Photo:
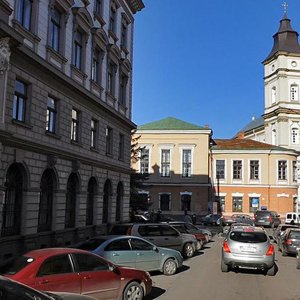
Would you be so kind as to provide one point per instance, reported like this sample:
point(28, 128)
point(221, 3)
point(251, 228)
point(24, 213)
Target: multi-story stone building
point(175, 154)
point(65, 121)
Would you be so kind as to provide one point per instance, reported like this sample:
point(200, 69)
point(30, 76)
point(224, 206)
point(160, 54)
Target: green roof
point(170, 124)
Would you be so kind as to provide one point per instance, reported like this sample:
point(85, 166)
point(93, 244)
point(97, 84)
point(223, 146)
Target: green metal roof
point(170, 124)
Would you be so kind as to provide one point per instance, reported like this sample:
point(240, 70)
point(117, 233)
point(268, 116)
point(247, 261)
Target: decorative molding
point(51, 161)
point(4, 54)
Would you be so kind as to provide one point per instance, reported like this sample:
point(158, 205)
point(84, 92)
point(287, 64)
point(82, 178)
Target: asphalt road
point(201, 278)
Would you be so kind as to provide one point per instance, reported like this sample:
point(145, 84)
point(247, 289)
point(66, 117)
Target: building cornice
point(135, 5)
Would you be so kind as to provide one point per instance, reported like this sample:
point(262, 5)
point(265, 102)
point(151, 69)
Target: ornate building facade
point(65, 119)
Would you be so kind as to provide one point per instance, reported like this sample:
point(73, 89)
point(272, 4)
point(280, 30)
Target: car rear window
point(16, 265)
point(248, 237)
point(294, 235)
point(262, 213)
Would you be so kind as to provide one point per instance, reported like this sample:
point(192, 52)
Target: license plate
point(249, 249)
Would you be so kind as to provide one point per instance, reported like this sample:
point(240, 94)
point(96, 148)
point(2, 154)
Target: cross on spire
point(285, 5)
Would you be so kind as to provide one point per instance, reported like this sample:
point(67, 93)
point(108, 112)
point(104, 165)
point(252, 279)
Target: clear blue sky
point(201, 60)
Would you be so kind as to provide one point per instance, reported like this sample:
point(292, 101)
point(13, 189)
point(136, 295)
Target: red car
point(78, 271)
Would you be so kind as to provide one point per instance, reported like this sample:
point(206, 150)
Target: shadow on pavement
point(155, 293)
point(248, 271)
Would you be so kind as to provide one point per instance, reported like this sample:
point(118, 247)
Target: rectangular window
point(24, 13)
point(55, 30)
point(294, 170)
point(237, 204)
point(282, 166)
point(237, 169)
point(75, 126)
point(144, 161)
point(51, 115)
point(78, 50)
point(93, 133)
point(123, 89)
point(222, 203)
point(164, 201)
point(165, 163)
point(19, 103)
point(112, 20)
point(111, 78)
point(95, 66)
point(98, 7)
point(220, 169)
point(254, 169)
point(109, 141)
point(253, 204)
point(124, 35)
point(186, 163)
point(121, 146)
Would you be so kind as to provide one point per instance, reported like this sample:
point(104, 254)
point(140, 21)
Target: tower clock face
point(294, 64)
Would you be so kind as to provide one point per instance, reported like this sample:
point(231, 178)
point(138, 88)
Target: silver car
point(249, 248)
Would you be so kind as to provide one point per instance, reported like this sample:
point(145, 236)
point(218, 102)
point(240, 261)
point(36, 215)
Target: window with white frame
point(282, 170)
point(237, 204)
point(294, 92)
point(186, 163)
point(51, 115)
point(164, 201)
point(220, 169)
point(237, 169)
point(254, 169)
point(273, 95)
point(294, 170)
point(295, 135)
point(144, 161)
point(75, 126)
point(165, 162)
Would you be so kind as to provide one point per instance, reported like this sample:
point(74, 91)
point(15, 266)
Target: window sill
point(20, 123)
point(53, 135)
point(99, 18)
point(56, 58)
point(76, 143)
point(113, 35)
point(109, 155)
point(93, 149)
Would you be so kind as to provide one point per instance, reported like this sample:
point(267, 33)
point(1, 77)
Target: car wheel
point(188, 250)
point(170, 267)
point(133, 291)
point(271, 271)
point(224, 267)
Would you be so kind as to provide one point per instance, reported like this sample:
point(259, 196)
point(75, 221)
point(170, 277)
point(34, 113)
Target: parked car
point(298, 258)
point(78, 271)
point(248, 247)
point(211, 219)
point(292, 218)
point(279, 231)
point(13, 290)
point(184, 227)
point(160, 234)
point(140, 219)
point(289, 241)
point(266, 218)
point(134, 252)
point(208, 234)
point(237, 218)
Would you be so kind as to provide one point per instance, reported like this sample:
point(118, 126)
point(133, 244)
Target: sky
point(201, 60)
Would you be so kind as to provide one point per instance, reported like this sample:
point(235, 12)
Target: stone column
point(4, 67)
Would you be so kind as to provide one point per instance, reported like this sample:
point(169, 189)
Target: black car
point(266, 218)
point(211, 219)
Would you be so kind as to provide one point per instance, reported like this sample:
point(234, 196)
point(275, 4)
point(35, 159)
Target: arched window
point(46, 201)
point(120, 193)
point(92, 190)
point(107, 193)
point(11, 218)
point(273, 95)
point(295, 135)
point(72, 189)
point(294, 92)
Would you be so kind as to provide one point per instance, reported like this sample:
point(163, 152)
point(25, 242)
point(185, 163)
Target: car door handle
point(44, 281)
point(115, 254)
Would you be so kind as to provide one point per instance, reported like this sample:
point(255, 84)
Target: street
point(201, 278)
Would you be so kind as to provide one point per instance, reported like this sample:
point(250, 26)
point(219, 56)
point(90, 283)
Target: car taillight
point(289, 242)
point(226, 247)
point(270, 250)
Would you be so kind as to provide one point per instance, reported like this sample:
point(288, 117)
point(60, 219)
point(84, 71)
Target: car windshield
point(248, 237)
point(262, 213)
point(16, 265)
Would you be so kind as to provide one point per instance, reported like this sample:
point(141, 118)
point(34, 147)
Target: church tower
point(282, 84)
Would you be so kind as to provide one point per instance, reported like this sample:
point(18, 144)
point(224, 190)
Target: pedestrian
point(194, 219)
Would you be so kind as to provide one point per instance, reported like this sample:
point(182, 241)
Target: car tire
point(188, 250)
point(224, 267)
point(133, 291)
point(169, 267)
point(271, 271)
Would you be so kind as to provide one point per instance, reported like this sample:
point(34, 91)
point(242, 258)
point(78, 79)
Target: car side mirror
point(155, 249)
point(114, 269)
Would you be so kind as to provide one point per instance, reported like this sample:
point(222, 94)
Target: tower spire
point(285, 5)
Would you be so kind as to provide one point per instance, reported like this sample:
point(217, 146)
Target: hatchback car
point(13, 290)
point(162, 235)
point(78, 271)
point(289, 241)
point(135, 252)
point(250, 248)
point(266, 218)
point(279, 231)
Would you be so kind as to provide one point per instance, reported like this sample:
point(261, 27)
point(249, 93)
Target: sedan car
point(250, 248)
point(289, 241)
point(78, 271)
point(211, 219)
point(13, 290)
point(134, 252)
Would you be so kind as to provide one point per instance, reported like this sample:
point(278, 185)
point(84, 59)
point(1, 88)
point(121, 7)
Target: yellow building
point(176, 156)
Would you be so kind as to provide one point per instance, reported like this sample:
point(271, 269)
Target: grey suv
point(162, 235)
point(249, 248)
point(266, 218)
